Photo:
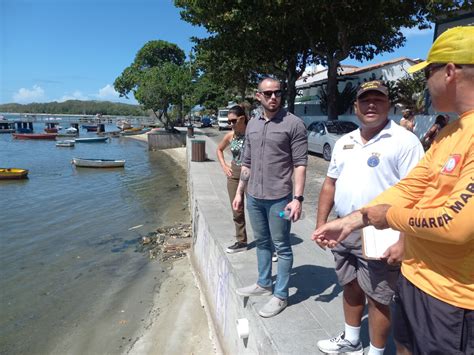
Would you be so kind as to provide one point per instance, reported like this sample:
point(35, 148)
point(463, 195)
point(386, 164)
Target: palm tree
point(409, 92)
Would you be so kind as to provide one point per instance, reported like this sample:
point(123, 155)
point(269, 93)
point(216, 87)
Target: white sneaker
point(273, 307)
point(339, 345)
point(254, 290)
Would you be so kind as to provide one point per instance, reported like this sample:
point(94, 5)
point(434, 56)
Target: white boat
point(66, 143)
point(71, 130)
point(92, 139)
point(98, 163)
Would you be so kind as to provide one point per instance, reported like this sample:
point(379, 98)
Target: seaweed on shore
point(168, 243)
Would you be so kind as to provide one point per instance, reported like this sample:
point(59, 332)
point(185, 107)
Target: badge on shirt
point(373, 160)
point(348, 146)
point(450, 166)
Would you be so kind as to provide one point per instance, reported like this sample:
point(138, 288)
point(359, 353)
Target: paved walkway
point(315, 302)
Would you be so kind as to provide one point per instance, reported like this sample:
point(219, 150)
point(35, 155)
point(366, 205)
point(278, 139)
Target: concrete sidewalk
point(315, 302)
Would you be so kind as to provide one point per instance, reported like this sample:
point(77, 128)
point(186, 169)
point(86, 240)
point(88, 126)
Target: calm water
point(69, 236)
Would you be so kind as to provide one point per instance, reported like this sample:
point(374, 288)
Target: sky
point(56, 50)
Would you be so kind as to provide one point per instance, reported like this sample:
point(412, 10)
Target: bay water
point(73, 277)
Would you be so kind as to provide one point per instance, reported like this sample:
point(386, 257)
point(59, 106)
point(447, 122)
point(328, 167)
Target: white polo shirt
point(365, 170)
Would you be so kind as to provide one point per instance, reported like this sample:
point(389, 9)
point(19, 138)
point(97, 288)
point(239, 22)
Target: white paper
point(376, 241)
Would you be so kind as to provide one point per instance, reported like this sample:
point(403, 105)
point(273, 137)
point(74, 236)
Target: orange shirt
point(434, 207)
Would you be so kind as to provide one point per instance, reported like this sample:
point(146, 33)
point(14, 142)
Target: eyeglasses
point(430, 68)
point(231, 121)
point(269, 93)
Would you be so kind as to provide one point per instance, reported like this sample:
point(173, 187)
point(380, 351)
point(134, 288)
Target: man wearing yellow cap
point(434, 207)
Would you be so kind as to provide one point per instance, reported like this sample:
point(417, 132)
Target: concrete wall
point(164, 140)
point(219, 277)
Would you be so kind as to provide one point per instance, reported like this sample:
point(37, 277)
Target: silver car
point(323, 135)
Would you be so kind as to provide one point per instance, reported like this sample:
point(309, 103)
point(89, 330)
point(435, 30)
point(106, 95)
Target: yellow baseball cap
point(455, 45)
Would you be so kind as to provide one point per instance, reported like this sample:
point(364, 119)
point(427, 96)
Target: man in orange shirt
point(434, 207)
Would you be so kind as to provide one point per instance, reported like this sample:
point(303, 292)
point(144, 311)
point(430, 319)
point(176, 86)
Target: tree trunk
point(332, 88)
point(291, 77)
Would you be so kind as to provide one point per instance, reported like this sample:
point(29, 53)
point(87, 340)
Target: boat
point(34, 135)
point(91, 139)
point(134, 132)
point(6, 126)
point(98, 163)
point(71, 130)
point(13, 173)
point(90, 128)
point(123, 125)
point(65, 143)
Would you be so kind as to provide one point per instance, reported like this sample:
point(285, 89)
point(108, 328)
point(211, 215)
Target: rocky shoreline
point(168, 243)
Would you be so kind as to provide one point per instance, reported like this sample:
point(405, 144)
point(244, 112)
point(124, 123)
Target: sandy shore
point(178, 323)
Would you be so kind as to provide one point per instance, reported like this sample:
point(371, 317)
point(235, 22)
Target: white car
point(323, 135)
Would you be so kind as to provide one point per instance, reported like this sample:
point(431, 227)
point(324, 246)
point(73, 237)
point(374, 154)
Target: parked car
point(323, 135)
point(222, 120)
point(206, 122)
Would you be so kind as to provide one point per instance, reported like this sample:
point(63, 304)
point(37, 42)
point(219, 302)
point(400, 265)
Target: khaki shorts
point(376, 278)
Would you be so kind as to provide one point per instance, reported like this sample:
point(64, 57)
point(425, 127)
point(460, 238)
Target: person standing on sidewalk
point(434, 207)
point(408, 120)
point(276, 148)
point(364, 163)
point(235, 139)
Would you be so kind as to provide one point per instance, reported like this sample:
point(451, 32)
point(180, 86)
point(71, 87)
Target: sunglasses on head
point(269, 93)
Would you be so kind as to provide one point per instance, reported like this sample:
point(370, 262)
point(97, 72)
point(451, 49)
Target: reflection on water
point(67, 242)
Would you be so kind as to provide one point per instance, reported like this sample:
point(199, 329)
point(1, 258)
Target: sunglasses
point(430, 68)
point(231, 121)
point(269, 93)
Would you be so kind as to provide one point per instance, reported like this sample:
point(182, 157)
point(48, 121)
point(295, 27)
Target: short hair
point(269, 78)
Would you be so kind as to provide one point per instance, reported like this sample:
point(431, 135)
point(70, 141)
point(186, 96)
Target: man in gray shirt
point(276, 147)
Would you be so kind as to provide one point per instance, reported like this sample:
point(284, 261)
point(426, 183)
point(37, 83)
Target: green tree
point(363, 29)
point(247, 39)
point(409, 92)
point(158, 79)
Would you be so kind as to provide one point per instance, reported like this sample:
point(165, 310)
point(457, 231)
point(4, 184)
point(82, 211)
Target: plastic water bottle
point(286, 214)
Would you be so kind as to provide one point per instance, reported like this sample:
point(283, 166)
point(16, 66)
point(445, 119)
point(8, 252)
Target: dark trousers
point(238, 216)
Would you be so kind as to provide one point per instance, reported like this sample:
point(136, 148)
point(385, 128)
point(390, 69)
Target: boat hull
point(98, 163)
point(13, 173)
point(66, 143)
point(91, 140)
point(34, 135)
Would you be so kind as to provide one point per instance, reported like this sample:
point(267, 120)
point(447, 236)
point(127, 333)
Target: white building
point(307, 103)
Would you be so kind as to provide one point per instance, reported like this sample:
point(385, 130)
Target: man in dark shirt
point(276, 147)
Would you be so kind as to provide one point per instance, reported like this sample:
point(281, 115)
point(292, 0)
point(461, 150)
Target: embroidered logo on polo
point(373, 160)
point(450, 166)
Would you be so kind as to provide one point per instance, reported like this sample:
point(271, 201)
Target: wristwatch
point(299, 198)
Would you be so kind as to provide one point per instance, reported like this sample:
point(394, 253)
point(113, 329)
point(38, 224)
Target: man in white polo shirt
point(364, 163)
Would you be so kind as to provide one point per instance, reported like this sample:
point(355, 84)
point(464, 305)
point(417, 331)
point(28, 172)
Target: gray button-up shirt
point(272, 149)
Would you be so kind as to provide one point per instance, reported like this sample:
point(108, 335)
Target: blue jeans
point(269, 228)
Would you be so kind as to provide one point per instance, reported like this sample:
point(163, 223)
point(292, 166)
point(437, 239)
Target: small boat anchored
point(34, 135)
point(65, 143)
point(98, 163)
point(91, 139)
point(13, 173)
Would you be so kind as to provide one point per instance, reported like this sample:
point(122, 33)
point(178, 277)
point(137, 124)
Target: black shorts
point(426, 325)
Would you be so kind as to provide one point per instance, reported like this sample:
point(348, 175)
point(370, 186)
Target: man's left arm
point(296, 206)
point(299, 155)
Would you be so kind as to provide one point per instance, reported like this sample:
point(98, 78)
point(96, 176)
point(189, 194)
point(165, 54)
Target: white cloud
point(76, 95)
point(411, 32)
point(108, 92)
point(23, 96)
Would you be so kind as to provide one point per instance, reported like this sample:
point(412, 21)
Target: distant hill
point(76, 107)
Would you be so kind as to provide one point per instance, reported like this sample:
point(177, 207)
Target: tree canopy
point(158, 78)
point(249, 38)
